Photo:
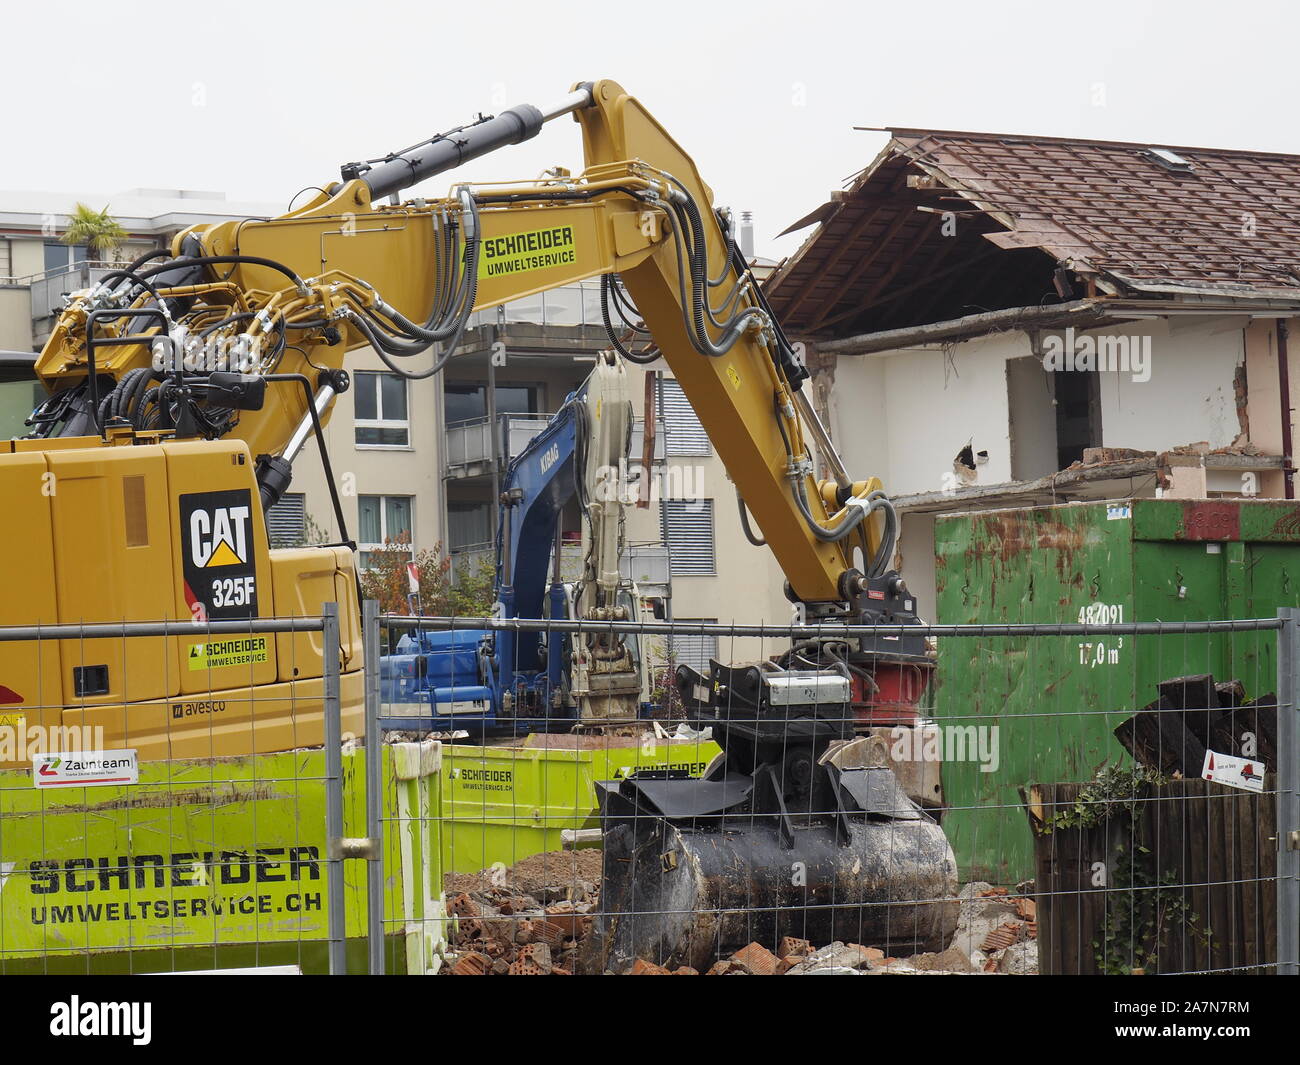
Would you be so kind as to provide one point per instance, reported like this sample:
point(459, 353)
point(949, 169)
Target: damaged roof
point(945, 224)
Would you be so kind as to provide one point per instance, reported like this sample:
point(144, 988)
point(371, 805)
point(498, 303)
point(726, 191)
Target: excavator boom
point(294, 294)
point(185, 385)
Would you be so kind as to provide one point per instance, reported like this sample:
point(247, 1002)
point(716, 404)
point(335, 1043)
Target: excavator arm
point(239, 335)
point(179, 341)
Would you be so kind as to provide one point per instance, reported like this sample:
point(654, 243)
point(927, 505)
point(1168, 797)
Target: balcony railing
point(473, 559)
point(468, 451)
point(649, 566)
point(49, 288)
point(570, 305)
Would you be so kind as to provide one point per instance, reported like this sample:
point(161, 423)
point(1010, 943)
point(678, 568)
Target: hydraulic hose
point(757, 541)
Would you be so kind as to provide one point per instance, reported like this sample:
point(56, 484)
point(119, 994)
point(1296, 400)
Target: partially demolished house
point(1001, 321)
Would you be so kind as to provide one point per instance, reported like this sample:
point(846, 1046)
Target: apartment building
point(424, 459)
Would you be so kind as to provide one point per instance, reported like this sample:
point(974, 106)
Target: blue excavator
point(485, 681)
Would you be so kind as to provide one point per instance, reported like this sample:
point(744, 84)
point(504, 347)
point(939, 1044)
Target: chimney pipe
point(747, 235)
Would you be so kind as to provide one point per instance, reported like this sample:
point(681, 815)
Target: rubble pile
point(996, 933)
point(526, 921)
point(530, 921)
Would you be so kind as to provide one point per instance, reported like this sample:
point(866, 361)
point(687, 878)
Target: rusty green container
point(1044, 708)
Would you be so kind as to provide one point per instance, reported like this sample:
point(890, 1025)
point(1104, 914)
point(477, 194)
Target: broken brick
point(1001, 937)
point(757, 959)
point(470, 928)
point(641, 967)
point(791, 945)
point(532, 960)
point(548, 932)
point(473, 964)
point(564, 915)
point(463, 906)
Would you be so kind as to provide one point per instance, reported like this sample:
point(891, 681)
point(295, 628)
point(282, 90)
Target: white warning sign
point(1233, 771)
point(85, 769)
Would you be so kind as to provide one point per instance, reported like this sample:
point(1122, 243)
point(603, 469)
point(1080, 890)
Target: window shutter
point(694, 650)
point(684, 435)
point(688, 532)
point(286, 522)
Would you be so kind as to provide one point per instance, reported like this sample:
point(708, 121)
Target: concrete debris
point(952, 960)
point(1106, 456)
point(838, 956)
point(1019, 959)
point(521, 925)
point(980, 913)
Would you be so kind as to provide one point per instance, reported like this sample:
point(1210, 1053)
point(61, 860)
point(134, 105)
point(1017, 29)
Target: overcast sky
point(261, 99)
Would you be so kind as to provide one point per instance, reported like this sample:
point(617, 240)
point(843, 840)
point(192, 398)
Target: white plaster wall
point(903, 416)
point(1032, 415)
point(16, 319)
point(1189, 396)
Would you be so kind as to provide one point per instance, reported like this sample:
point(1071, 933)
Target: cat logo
point(219, 537)
point(218, 554)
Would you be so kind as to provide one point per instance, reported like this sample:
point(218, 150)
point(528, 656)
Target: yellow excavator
point(185, 385)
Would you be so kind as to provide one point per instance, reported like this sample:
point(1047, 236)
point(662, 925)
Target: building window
point(684, 435)
point(286, 522)
point(468, 524)
point(691, 649)
point(60, 257)
point(382, 520)
point(381, 411)
point(464, 401)
point(687, 528)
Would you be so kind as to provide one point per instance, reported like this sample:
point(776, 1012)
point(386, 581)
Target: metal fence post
point(335, 912)
point(374, 789)
point(1288, 793)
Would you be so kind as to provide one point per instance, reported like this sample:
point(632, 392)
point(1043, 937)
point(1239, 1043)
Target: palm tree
point(98, 230)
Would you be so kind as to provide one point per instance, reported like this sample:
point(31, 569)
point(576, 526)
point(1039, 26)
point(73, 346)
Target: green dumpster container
point(213, 864)
point(1055, 700)
point(509, 802)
